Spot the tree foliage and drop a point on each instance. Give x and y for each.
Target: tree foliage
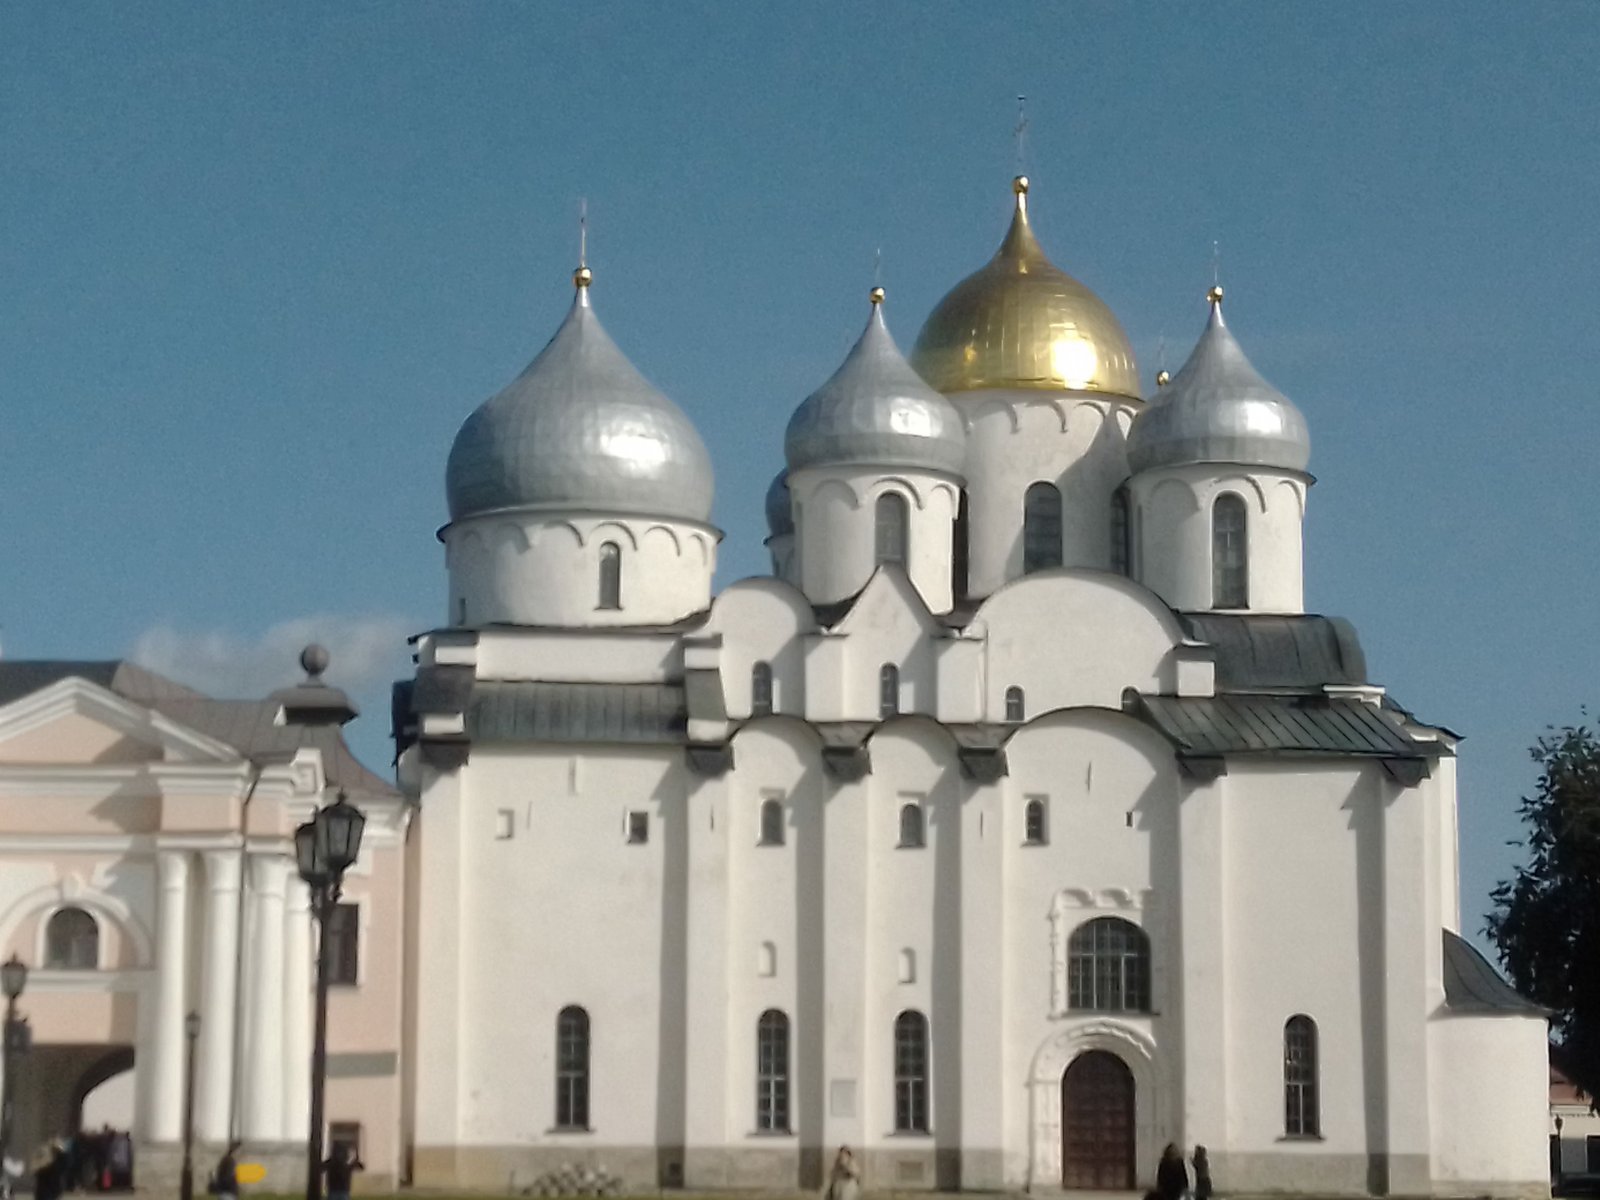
(1546, 920)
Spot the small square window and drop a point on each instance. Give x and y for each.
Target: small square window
(505, 824)
(638, 828)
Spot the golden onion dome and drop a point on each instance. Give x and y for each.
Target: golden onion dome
(1023, 322)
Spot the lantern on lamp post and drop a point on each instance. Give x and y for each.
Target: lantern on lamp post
(325, 847)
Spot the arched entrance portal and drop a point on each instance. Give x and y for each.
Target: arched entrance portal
(1097, 1123)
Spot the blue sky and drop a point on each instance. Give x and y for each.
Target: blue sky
(258, 262)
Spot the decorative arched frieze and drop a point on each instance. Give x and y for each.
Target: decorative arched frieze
(73, 892)
(607, 531)
(670, 534)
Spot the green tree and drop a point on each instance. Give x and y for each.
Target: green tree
(1546, 920)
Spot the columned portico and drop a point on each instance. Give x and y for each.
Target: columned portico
(264, 1075)
(214, 1068)
(296, 1067)
(163, 1075)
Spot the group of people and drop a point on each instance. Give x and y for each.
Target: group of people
(86, 1162)
(1172, 1177)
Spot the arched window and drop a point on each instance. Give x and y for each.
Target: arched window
(893, 520)
(1229, 553)
(71, 941)
(911, 1072)
(1041, 528)
(772, 822)
(911, 831)
(572, 1069)
(1120, 558)
(1301, 1113)
(960, 555)
(761, 690)
(1016, 708)
(888, 690)
(1033, 831)
(1108, 966)
(610, 575)
(772, 1072)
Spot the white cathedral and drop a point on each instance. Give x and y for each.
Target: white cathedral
(1020, 823)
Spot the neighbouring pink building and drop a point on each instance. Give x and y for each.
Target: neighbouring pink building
(146, 871)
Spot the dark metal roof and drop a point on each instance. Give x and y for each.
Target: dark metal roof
(576, 712)
(249, 726)
(1263, 653)
(1471, 985)
(1281, 725)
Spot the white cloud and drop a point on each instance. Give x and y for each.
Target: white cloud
(366, 651)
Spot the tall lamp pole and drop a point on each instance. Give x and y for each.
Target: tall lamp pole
(325, 847)
(13, 978)
(191, 1032)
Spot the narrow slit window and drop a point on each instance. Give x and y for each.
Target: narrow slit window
(1120, 557)
(1033, 823)
(772, 822)
(911, 1072)
(912, 833)
(1229, 552)
(960, 556)
(888, 690)
(891, 530)
(610, 575)
(1041, 528)
(1301, 1111)
(772, 1072)
(1016, 705)
(761, 690)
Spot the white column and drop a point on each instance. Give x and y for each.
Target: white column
(1202, 995)
(161, 1113)
(262, 1085)
(214, 1068)
(297, 999)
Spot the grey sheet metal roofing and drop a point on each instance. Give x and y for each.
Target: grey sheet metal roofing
(876, 410)
(1264, 653)
(580, 428)
(576, 712)
(1240, 724)
(1218, 409)
(249, 726)
(1472, 985)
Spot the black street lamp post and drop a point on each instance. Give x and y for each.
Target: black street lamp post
(325, 848)
(13, 978)
(191, 1032)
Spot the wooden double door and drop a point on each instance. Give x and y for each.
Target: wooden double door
(1097, 1123)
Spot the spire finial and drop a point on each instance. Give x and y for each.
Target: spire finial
(876, 295)
(1020, 135)
(1215, 295)
(583, 277)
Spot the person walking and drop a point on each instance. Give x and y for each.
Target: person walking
(1202, 1174)
(1172, 1177)
(339, 1169)
(225, 1179)
(844, 1181)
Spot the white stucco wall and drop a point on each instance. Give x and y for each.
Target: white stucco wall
(1490, 1097)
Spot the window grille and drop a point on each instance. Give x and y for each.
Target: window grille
(1301, 1115)
(1229, 553)
(772, 1072)
(1120, 558)
(911, 1072)
(888, 690)
(1016, 707)
(1041, 528)
(344, 944)
(761, 690)
(892, 523)
(1108, 967)
(572, 1069)
(1033, 832)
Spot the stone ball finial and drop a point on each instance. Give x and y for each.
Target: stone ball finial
(314, 659)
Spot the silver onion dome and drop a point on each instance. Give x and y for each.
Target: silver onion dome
(580, 428)
(1218, 409)
(876, 410)
(780, 514)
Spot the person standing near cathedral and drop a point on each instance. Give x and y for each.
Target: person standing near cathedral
(844, 1181)
(1172, 1177)
(340, 1168)
(1202, 1174)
